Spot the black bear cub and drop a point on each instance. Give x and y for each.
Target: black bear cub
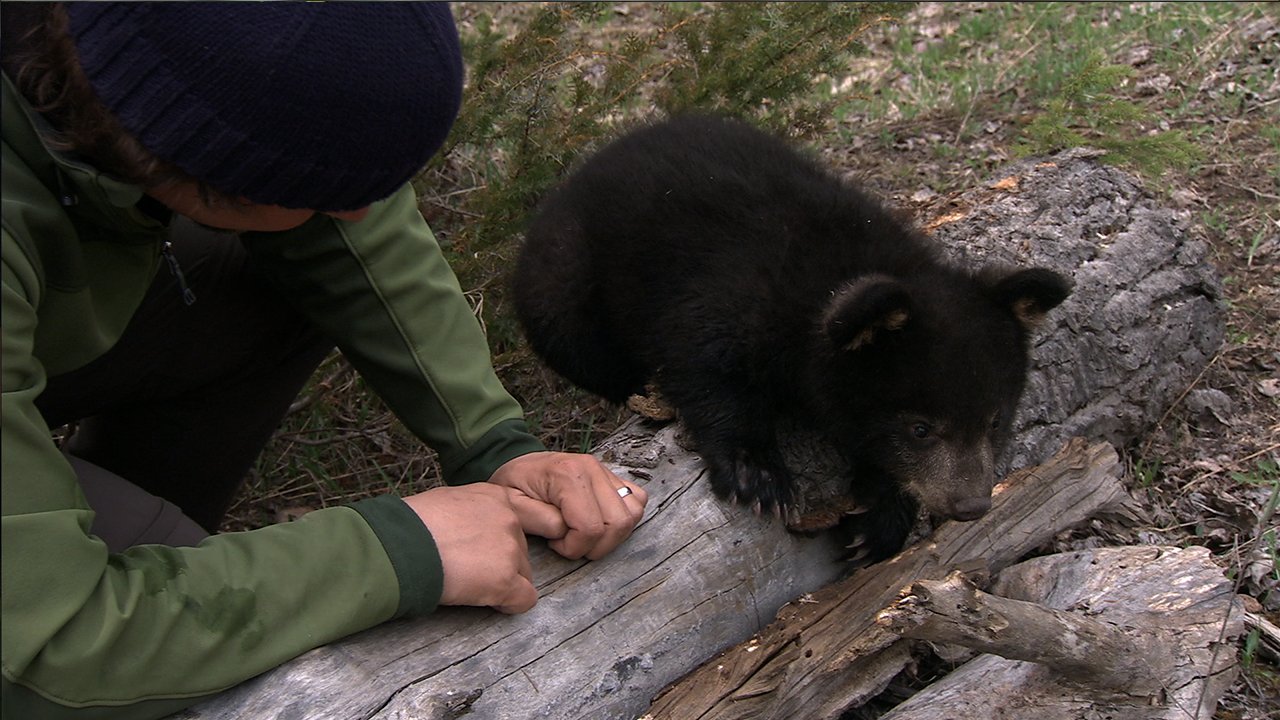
(745, 282)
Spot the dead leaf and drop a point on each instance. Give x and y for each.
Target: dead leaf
(943, 220)
(1009, 183)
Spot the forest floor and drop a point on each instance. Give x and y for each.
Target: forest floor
(955, 88)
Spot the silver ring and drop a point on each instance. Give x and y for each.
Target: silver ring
(624, 491)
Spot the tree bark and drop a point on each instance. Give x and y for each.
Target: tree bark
(1144, 318)
(1083, 650)
(699, 576)
(1176, 606)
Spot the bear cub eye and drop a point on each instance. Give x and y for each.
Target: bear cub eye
(921, 430)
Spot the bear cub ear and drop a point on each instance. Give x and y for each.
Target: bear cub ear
(1030, 293)
(864, 309)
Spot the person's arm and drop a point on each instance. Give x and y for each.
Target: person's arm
(146, 632)
(154, 628)
(381, 289)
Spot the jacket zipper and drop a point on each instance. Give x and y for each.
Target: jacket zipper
(166, 250)
(66, 197)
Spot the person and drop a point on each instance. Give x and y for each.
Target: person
(200, 200)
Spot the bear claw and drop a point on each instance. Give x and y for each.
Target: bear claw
(858, 557)
(753, 485)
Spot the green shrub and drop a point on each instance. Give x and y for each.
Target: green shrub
(1087, 112)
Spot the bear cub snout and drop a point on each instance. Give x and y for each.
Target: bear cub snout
(747, 283)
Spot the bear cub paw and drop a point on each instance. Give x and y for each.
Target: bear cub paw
(764, 484)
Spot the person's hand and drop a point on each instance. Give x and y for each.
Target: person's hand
(482, 545)
(573, 501)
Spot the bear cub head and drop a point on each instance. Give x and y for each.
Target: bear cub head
(918, 376)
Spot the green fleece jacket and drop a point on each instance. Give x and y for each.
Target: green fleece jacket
(87, 633)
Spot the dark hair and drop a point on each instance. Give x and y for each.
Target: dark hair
(49, 76)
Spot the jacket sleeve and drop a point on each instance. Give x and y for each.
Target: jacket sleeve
(145, 632)
(382, 290)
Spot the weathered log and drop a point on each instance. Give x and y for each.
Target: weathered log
(1174, 603)
(1089, 652)
(606, 636)
(699, 576)
(1143, 320)
(825, 652)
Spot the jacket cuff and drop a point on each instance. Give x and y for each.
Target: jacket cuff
(506, 440)
(411, 549)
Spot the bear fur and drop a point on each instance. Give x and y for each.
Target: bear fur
(745, 283)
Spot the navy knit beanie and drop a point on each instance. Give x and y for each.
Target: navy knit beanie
(326, 106)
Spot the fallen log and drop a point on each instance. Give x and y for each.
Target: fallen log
(1144, 318)
(641, 618)
(1148, 633)
(1086, 651)
(698, 575)
(826, 653)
